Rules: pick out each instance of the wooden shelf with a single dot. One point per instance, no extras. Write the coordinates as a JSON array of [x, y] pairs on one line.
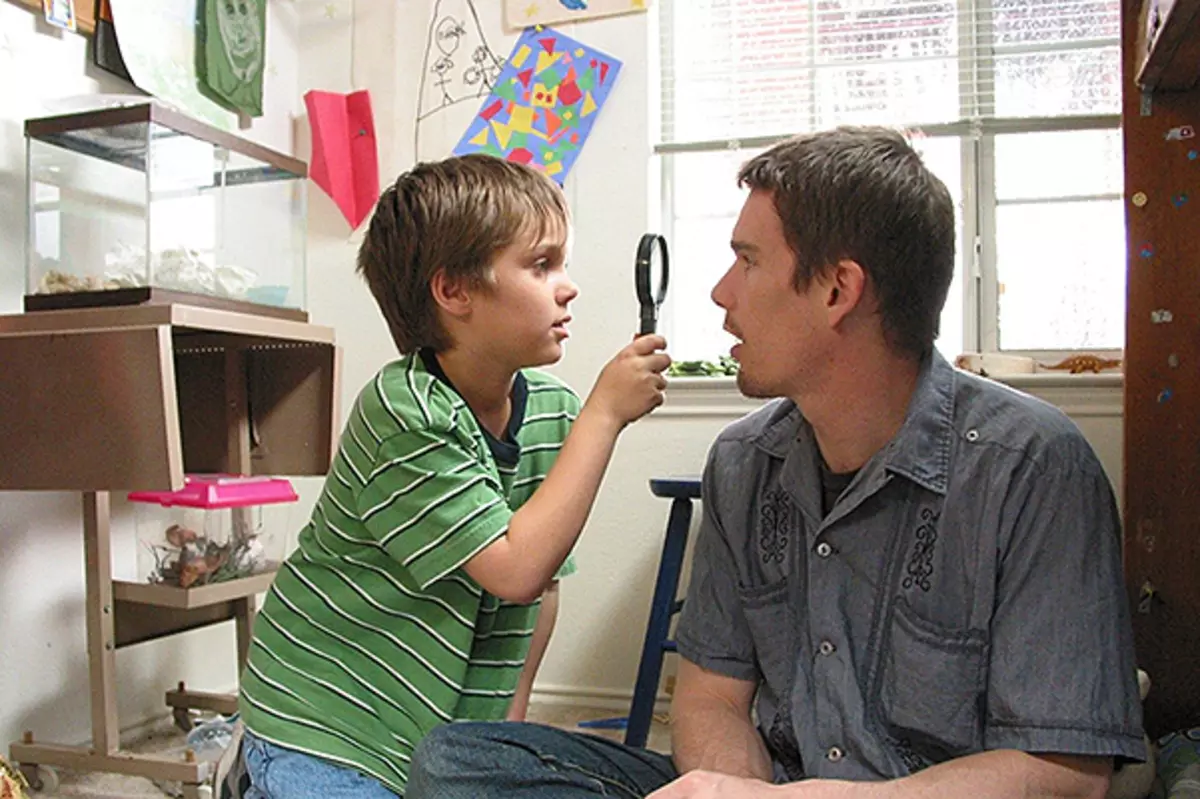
[[1169, 45], [85, 21], [167, 596], [131, 398], [83, 758], [186, 317], [152, 295]]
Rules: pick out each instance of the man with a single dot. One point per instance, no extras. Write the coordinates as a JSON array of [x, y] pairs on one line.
[[907, 580]]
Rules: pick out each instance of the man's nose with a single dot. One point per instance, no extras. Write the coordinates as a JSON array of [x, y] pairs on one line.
[[720, 292]]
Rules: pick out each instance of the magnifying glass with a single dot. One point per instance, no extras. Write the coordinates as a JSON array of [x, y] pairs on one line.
[[651, 273]]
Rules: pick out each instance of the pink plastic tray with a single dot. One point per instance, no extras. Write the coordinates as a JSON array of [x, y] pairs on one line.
[[215, 491]]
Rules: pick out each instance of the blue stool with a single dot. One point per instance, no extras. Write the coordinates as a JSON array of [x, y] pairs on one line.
[[681, 491], [664, 605]]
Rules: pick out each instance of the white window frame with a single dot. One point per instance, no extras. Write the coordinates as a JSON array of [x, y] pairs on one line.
[[978, 129]]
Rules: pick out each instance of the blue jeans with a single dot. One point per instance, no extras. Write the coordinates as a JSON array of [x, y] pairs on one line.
[[477, 760], [278, 773]]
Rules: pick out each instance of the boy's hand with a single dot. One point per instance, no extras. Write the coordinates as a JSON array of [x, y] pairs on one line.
[[631, 384]]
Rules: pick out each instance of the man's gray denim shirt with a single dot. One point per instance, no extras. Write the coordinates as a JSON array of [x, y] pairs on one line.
[[964, 594]]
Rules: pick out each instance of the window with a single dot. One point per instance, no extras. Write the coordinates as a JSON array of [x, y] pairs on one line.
[[1014, 103]]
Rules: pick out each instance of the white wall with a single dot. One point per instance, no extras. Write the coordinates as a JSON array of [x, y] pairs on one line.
[[43, 679]]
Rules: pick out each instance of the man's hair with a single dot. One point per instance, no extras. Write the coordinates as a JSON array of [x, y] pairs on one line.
[[455, 215], [863, 194]]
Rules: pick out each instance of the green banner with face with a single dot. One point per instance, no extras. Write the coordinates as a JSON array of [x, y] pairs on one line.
[[233, 56]]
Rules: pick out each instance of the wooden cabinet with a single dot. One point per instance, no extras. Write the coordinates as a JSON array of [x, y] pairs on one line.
[[130, 398], [118, 399]]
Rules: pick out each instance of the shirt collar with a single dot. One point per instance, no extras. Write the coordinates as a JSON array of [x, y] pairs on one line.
[[920, 450], [506, 451]]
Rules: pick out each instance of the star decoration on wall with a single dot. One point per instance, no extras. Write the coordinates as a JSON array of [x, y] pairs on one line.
[[330, 10], [532, 9]]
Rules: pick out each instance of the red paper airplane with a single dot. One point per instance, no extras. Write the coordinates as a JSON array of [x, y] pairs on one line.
[[344, 160]]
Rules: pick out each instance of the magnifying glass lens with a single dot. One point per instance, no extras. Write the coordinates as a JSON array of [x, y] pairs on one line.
[[656, 269]]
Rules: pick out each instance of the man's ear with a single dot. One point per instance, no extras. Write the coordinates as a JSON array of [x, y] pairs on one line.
[[451, 294], [845, 290]]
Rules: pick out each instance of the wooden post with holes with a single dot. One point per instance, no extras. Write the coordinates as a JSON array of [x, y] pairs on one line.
[[1160, 116]]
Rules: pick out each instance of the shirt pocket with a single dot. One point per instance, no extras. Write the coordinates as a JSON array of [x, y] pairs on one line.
[[932, 688], [768, 613]]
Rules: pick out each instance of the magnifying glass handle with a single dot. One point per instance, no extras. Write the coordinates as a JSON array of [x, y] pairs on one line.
[[649, 321]]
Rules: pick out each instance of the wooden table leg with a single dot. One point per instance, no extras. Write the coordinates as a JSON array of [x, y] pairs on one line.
[[101, 637]]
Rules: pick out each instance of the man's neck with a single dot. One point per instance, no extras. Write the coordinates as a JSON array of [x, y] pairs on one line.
[[860, 408], [486, 387]]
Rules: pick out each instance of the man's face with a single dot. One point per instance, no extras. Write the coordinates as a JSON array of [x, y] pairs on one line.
[[240, 33], [779, 328]]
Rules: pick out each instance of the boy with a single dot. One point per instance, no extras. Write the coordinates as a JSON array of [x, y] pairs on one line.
[[455, 497]]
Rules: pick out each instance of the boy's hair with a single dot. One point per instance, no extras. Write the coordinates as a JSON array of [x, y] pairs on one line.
[[863, 194], [455, 215]]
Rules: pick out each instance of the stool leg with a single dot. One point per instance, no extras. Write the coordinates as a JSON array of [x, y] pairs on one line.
[[645, 690]]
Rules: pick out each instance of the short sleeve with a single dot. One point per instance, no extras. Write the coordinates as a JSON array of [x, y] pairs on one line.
[[567, 568], [712, 630], [557, 406], [1062, 674], [431, 503]]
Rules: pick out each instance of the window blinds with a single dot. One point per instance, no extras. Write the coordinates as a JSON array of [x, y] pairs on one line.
[[736, 71]]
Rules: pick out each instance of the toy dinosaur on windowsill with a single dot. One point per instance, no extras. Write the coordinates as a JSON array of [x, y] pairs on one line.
[[1078, 364]]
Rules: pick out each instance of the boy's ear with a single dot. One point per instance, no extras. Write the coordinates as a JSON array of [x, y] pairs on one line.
[[450, 294]]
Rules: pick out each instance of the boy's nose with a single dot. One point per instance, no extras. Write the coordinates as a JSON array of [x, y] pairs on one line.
[[568, 291]]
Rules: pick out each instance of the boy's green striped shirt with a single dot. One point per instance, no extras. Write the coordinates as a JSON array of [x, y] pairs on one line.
[[372, 634]]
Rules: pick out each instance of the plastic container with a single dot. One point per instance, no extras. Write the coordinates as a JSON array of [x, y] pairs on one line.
[[216, 528]]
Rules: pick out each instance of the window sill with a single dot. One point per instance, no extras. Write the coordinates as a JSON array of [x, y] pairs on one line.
[[1086, 394]]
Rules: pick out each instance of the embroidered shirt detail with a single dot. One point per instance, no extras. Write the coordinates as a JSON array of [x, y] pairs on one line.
[[774, 526], [920, 565], [913, 761]]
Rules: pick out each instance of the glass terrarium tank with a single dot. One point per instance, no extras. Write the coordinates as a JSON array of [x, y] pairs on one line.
[[141, 204], [215, 529]]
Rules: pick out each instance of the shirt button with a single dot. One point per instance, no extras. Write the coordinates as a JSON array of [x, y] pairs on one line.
[[835, 754], [824, 550], [827, 648]]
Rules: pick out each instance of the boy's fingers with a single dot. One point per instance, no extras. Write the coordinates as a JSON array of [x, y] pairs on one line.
[[657, 361], [644, 345]]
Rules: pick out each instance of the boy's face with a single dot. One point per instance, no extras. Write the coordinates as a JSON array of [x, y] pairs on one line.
[[523, 313]]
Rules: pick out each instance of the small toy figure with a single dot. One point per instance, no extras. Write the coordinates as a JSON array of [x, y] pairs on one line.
[[12, 783], [1078, 364]]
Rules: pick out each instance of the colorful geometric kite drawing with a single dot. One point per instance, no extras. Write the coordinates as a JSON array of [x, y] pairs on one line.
[[543, 104]]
